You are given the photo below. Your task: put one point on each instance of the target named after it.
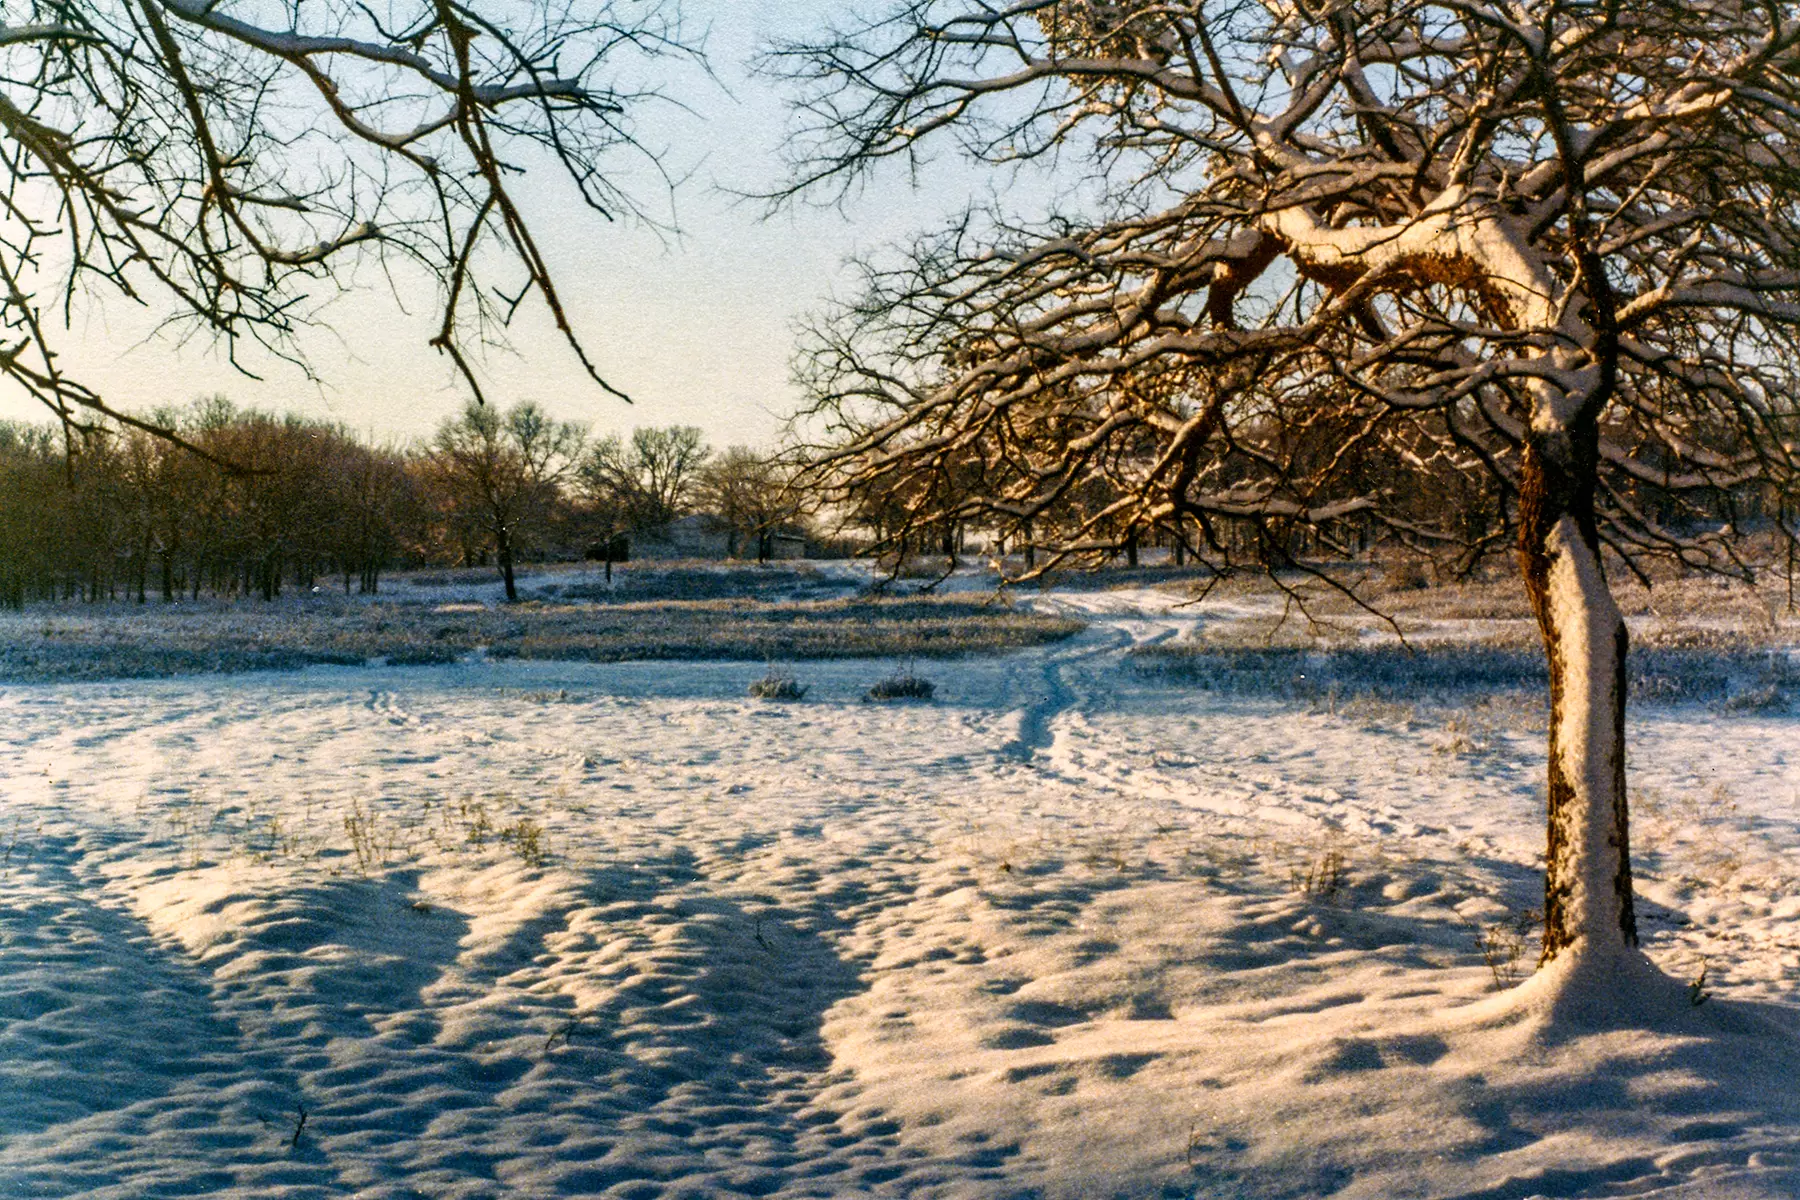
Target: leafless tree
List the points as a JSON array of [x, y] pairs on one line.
[[504, 471], [646, 482], [373, 502], [1552, 244], [752, 494], [224, 162], [32, 529]]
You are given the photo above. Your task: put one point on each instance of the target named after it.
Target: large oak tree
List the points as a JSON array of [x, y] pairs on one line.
[[1334, 257]]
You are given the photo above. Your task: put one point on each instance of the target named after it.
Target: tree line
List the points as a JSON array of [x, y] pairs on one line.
[[247, 502]]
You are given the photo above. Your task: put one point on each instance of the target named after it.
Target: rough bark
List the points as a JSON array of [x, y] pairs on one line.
[[1587, 874]]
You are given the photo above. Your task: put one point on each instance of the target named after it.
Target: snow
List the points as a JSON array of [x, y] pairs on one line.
[[545, 930]]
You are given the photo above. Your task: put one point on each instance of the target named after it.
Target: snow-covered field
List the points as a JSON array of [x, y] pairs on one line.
[[539, 929]]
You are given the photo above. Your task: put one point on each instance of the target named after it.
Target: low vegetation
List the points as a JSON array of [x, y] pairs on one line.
[[643, 582], [903, 685], [1730, 673], [1693, 640], [128, 642], [778, 685]]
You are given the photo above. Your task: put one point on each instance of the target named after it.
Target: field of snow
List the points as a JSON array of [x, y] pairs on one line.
[[541, 929]]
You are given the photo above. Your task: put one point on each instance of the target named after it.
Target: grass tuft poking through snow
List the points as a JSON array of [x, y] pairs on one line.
[[578, 929], [904, 684], [778, 685]]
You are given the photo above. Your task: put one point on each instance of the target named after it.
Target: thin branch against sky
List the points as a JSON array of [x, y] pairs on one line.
[[691, 311]]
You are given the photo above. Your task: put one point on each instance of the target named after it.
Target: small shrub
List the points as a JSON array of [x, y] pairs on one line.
[[1504, 943], [1408, 575], [901, 686], [1768, 698], [476, 822], [526, 837], [1322, 879], [373, 846], [1466, 732], [778, 685]]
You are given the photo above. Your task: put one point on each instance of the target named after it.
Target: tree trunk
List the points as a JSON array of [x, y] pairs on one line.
[[503, 547], [1588, 910], [1788, 532]]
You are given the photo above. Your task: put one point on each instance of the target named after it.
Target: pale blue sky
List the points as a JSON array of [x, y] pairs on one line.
[[698, 330]]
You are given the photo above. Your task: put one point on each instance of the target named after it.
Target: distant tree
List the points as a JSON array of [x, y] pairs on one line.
[[146, 493], [35, 517], [752, 495], [222, 162], [648, 482], [271, 512], [374, 501], [502, 471], [1553, 246]]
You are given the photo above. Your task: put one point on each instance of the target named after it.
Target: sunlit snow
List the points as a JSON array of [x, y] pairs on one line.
[[1068, 930]]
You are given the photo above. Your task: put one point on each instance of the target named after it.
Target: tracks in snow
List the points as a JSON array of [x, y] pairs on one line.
[[1216, 768], [1036, 721]]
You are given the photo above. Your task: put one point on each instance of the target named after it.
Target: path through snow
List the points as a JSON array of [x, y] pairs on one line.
[[538, 929]]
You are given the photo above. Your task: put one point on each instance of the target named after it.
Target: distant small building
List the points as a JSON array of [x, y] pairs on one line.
[[698, 535], [616, 548], [783, 544]]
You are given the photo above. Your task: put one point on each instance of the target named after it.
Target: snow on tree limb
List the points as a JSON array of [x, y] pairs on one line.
[[1369, 225]]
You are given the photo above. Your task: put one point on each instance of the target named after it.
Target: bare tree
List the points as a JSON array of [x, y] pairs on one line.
[[650, 480], [32, 529], [222, 162], [503, 472], [1554, 244], [373, 501], [752, 494]]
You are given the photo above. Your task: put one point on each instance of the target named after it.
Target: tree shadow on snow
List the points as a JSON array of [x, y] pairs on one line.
[[688, 1045], [117, 1064]]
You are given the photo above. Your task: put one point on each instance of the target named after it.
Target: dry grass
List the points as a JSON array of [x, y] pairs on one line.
[[643, 582], [1736, 678], [1694, 640], [364, 838], [1412, 595], [124, 641], [1693, 837], [904, 685]]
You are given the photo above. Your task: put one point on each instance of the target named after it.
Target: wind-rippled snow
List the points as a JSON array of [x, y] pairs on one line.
[[538, 929]]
